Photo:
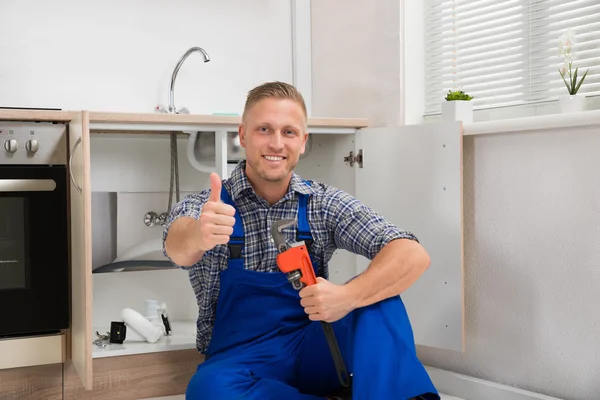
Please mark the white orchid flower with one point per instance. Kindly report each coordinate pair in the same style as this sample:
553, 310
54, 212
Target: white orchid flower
566, 44
566, 41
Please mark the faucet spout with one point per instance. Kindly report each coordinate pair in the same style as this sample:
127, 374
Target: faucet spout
176, 71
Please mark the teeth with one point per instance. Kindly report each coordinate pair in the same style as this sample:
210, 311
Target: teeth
274, 158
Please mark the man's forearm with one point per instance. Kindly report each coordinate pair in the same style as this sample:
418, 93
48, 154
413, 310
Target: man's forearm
181, 242
395, 268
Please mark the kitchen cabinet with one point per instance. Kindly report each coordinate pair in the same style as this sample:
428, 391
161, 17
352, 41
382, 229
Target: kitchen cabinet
412, 175
40, 382
137, 376
80, 333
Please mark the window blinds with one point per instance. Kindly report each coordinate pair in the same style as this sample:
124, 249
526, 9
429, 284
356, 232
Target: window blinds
505, 52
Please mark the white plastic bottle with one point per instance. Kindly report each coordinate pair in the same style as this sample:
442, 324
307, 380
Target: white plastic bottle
153, 311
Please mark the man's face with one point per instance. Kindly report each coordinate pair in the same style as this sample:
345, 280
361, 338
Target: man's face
274, 136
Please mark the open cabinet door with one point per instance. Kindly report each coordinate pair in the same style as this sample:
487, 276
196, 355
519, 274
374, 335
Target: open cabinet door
81, 249
412, 175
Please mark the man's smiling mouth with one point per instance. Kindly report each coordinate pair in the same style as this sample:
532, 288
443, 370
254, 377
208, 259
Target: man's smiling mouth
274, 158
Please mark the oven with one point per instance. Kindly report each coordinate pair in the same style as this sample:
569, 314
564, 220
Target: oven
34, 235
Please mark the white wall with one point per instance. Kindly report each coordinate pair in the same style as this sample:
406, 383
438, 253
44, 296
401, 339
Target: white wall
531, 284
356, 60
413, 72
119, 55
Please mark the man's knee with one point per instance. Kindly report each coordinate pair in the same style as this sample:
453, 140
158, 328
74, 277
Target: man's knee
392, 306
218, 381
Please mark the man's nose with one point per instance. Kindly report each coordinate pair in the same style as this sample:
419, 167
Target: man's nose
277, 140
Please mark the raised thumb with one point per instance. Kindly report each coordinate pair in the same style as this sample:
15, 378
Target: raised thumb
215, 187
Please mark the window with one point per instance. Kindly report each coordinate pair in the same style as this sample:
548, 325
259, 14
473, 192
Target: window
505, 52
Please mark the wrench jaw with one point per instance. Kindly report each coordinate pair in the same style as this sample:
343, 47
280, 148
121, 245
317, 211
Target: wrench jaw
294, 278
276, 233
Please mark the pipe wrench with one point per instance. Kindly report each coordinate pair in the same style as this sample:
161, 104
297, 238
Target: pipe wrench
294, 261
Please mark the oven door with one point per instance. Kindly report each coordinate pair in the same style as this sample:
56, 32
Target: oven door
34, 261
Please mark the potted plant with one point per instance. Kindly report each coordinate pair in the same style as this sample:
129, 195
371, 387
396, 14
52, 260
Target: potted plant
571, 102
457, 107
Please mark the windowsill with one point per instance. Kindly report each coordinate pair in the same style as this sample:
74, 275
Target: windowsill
527, 118
533, 123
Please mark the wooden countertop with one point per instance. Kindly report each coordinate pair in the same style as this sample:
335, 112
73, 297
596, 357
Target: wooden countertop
37, 115
159, 118
121, 118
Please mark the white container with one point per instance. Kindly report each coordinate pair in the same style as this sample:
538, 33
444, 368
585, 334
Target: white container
152, 309
457, 110
571, 103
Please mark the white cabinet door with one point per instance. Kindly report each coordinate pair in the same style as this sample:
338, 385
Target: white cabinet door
81, 248
412, 175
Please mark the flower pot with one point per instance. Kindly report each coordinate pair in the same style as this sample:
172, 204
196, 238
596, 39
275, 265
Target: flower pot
457, 110
571, 103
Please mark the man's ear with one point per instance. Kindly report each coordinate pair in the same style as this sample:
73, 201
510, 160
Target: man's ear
304, 143
242, 135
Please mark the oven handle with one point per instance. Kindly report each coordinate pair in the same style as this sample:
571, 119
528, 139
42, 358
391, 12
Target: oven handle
27, 185
77, 187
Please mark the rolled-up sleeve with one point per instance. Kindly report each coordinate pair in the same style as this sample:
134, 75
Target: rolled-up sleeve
358, 228
189, 206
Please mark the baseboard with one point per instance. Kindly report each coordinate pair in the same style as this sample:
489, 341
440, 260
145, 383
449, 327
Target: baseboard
469, 388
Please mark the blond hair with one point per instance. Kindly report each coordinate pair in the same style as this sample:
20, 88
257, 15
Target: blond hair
276, 90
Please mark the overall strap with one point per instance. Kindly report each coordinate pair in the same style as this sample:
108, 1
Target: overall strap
236, 241
303, 226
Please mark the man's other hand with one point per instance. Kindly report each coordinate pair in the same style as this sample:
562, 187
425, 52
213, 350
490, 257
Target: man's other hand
326, 301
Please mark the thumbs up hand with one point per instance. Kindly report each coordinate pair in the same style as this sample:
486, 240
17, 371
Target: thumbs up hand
216, 220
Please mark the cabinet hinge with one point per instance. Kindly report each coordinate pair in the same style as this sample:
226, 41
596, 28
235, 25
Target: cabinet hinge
351, 158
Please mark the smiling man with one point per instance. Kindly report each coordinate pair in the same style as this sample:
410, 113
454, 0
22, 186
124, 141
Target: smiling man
261, 338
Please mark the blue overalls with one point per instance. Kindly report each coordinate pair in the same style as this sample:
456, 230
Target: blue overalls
264, 346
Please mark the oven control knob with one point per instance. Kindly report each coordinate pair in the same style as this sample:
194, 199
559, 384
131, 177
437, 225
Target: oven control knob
11, 145
32, 145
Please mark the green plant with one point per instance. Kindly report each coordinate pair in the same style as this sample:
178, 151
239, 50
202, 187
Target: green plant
565, 46
457, 95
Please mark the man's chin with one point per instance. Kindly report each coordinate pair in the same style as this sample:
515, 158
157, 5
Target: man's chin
273, 178
274, 175
271, 175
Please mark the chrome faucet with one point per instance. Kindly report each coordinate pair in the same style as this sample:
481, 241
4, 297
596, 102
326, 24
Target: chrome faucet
183, 110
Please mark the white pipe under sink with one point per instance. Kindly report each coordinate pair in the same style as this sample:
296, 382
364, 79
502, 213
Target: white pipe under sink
191, 156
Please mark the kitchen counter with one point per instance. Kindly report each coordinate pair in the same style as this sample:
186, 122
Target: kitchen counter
97, 117
36, 115
182, 337
108, 122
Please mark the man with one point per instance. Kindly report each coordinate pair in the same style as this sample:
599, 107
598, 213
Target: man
261, 338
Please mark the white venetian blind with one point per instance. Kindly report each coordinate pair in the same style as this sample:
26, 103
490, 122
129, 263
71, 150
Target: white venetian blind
505, 52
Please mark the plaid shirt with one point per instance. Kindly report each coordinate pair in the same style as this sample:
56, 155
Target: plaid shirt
337, 221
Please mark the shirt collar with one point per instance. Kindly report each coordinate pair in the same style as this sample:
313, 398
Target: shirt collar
239, 183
